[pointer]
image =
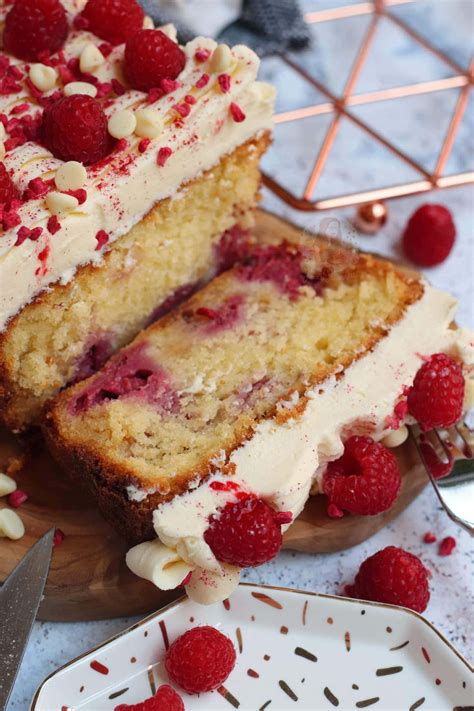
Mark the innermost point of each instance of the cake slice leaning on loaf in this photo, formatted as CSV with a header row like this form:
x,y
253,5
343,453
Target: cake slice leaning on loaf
x,y
247,389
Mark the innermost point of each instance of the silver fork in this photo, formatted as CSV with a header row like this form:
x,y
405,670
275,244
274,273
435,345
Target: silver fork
x,y
448,457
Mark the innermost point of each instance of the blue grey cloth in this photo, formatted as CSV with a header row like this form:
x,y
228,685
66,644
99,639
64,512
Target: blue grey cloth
x,y
268,26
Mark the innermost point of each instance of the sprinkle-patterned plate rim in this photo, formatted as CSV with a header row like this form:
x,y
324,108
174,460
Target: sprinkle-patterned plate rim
x,y
241,603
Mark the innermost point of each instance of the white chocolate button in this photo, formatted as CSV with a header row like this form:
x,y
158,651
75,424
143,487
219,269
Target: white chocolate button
x,y
7,484
91,58
80,87
148,23
11,525
396,438
122,124
221,59
60,203
149,123
44,78
70,176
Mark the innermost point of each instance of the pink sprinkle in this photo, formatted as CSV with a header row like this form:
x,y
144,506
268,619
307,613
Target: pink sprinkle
x,y
17,498
102,238
19,109
429,537
237,113
118,87
163,155
169,85
53,225
202,81
189,99
202,55
224,82
98,667
182,109
334,511
143,145
447,546
58,537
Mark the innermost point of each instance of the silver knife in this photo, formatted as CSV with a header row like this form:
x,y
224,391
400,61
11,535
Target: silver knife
x,y
20,597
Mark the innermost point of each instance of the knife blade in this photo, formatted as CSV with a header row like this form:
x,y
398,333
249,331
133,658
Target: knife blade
x,y
20,597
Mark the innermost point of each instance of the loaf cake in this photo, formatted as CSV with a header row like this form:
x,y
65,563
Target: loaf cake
x,y
125,160
246,389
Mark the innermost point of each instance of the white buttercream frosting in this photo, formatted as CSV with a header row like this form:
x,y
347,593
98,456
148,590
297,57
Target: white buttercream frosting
x,y
125,189
281,463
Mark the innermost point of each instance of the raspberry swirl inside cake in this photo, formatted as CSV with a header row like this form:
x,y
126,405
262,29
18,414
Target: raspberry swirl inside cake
x,y
241,395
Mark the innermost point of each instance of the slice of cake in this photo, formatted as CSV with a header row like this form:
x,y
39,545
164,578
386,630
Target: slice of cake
x,y
240,396
123,164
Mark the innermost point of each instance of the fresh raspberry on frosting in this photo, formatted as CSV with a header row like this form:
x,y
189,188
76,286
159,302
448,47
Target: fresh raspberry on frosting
x,y
165,699
113,20
429,235
75,128
33,27
437,394
150,57
200,660
246,534
394,576
365,480
8,191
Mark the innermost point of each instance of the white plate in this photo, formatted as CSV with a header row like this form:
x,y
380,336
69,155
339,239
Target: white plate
x,y
296,650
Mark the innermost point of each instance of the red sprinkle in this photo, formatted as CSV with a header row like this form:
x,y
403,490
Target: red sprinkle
x,y
143,145
43,258
224,83
17,498
202,81
58,538
202,55
102,238
53,225
447,546
429,537
98,667
237,113
224,486
163,155
334,511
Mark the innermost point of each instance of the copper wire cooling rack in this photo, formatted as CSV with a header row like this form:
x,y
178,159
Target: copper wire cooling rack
x,y
340,107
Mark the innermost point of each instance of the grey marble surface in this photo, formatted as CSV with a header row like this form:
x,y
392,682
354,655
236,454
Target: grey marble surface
x,y
417,125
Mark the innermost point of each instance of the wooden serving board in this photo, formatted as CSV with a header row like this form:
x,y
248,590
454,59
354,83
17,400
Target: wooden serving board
x,y
89,579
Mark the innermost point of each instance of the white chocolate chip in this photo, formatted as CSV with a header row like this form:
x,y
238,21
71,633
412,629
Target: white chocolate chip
x,y
70,176
149,124
122,123
43,77
396,437
148,23
11,525
221,59
91,58
80,87
7,484
60,203
2,150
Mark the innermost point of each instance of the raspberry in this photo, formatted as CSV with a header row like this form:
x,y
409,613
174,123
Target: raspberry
x,y
429,235
75,128
33,26
200,660
365,480
437,394
113,20
150,57
165,699
394,576
247,533
8,191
